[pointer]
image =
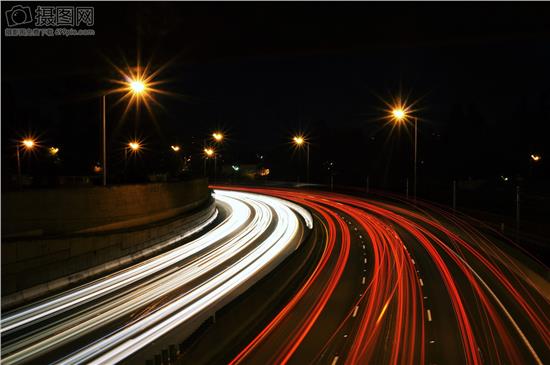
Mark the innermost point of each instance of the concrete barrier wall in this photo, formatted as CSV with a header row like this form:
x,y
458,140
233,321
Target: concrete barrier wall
x,y
83,229
35,267
96,209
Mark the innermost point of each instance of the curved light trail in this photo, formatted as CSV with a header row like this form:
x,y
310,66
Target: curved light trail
x,y
433,289
196,279
392,283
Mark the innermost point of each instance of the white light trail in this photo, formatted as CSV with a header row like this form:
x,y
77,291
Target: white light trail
x,y
236,241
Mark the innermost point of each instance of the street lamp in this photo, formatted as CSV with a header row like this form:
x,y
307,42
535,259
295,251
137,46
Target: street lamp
x,y
28,144
180,159
398,114
401,114
133,147
137,88
535,160
218,136
299,141
208,152
53,151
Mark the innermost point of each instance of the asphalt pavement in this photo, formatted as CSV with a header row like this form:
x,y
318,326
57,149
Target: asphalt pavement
x,y
356,280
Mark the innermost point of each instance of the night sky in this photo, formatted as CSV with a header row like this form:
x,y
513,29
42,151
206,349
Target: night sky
x,y
261,71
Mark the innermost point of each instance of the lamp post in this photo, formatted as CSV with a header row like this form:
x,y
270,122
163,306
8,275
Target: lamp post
x,y
208,152
399,115
218,138
534,160
104,135
133,147
176,149
137,88
299,141
28,144
415,153
18,166
53,151
535,157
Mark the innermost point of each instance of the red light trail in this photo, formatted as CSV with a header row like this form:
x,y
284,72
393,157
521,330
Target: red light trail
x,y
499,315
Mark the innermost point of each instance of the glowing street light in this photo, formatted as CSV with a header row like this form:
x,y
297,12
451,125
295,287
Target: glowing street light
x,y
137,86
175,148
28,144
209,152
53,151
218,138
299,141
134,146
535,160
400,112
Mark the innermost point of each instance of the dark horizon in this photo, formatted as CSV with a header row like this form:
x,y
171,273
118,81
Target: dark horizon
x,y
262,72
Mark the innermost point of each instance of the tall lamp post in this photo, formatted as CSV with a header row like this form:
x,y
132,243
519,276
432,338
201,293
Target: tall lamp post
x,y
132,147
208,152
400,115
28,144
218,138
137,88
535,159
299,141
176,149
415,153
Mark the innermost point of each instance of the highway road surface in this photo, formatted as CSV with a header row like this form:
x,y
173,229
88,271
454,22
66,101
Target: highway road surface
x,y
349,281
112,318
397,283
